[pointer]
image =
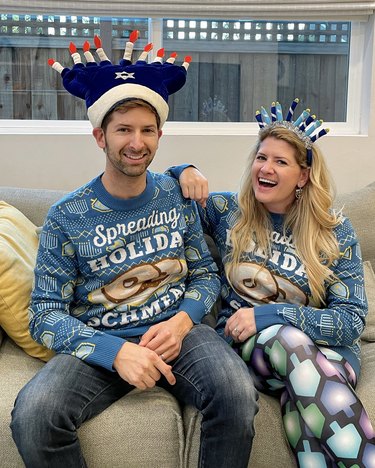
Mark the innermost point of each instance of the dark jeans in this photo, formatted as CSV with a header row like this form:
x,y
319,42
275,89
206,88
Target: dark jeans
x,y
67,391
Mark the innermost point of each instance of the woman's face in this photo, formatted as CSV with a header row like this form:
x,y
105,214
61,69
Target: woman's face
x,y
276,175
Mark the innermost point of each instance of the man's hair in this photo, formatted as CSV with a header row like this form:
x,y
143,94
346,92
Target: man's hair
x,y
126,105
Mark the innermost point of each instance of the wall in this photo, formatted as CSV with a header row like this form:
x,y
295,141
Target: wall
x,y
68,161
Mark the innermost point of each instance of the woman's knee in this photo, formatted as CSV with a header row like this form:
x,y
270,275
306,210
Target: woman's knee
x,y
285,337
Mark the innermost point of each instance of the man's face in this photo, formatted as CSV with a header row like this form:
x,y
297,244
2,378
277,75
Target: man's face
x,y
130,142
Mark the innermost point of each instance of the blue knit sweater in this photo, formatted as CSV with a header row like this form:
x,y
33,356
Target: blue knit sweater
x,y
280,292
107,269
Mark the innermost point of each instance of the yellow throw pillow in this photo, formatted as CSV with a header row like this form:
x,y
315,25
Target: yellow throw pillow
x,y
18,249
369,332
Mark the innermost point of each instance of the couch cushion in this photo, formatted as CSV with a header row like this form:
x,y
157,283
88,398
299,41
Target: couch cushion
x,y
18,246
359,207
366,383
142,429
33,203
369,333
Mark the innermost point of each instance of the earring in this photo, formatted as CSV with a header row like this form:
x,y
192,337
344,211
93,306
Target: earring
x,y
299,191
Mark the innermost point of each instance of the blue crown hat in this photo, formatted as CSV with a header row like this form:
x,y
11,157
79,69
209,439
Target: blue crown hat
x,y
304,126
102,85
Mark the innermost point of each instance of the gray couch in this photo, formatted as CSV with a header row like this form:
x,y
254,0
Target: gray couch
x,y
149,429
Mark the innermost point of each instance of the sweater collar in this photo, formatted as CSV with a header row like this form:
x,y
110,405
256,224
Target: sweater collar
x,y
277,218
124,204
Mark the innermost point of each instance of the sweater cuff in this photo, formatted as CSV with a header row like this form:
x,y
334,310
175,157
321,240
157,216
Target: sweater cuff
x,y
176,171
193,309
106,348
266,315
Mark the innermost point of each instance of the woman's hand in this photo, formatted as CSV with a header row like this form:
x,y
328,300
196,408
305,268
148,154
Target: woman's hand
x,y
194,185
241,325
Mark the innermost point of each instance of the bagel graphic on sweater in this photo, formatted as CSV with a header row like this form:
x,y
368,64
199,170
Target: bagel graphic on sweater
x,y
256,284
138,283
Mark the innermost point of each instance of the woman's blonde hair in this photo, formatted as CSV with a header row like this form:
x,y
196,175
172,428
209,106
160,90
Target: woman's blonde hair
x,y
310,219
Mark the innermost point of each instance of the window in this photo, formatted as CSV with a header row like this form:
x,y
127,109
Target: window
x,y
237,65
240,65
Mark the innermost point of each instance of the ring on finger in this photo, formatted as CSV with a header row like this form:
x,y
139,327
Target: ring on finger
x,y
236,331
163,357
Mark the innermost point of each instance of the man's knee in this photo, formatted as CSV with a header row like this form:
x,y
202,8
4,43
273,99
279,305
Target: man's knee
x,y
36,410
42,404
238,389
230,379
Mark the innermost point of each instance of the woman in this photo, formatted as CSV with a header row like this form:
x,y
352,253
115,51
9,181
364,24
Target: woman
x,y
294,303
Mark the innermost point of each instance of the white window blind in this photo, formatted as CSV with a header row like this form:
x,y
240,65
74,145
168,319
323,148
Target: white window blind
x,y
244,9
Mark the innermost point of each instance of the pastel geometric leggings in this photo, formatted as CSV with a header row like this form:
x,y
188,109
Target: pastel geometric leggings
x,y
324,421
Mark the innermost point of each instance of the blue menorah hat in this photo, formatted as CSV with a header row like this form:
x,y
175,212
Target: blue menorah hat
x,y
102,85
304,126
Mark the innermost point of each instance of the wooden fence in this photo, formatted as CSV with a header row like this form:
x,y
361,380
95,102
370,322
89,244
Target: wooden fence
x,y
231,75
232,90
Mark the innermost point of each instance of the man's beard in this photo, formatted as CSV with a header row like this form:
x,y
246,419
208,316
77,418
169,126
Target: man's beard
x,y
130,170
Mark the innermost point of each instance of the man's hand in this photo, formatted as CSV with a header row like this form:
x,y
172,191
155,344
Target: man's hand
x,y
165,338
241,325
194,185
141,367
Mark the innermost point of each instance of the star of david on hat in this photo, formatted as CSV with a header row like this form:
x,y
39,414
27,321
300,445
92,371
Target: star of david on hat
x,y
102,85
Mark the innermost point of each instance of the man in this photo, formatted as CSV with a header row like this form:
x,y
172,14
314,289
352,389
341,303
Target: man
x,y
122,281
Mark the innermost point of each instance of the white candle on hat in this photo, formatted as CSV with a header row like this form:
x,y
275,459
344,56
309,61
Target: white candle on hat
x,y
98,44
187,61
159,55
86,52
55,65
74,54
172,58
145,52
130,45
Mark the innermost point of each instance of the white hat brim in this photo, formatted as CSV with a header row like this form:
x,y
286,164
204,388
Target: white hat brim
x,y
101,106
